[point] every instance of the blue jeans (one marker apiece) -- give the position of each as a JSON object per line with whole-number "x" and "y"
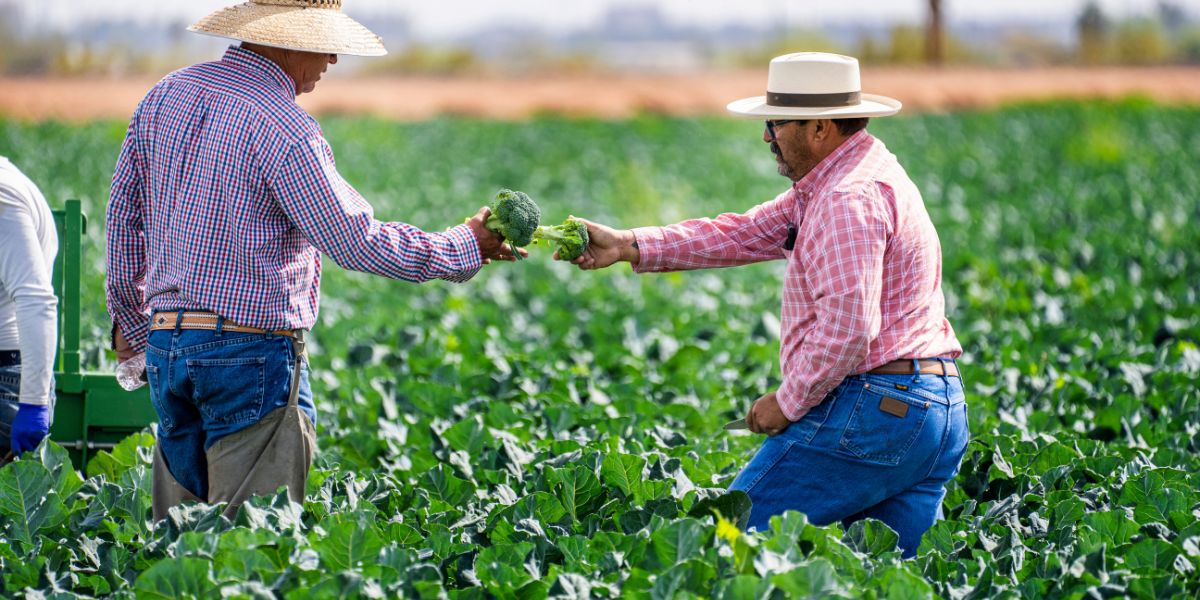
{"x": 853, "y": 456}
{"x": 10, "y": 389}
{"x": 206, "y": 385}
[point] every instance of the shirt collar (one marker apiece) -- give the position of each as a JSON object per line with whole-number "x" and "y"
{"x": 816, "y": 177}
{"x": 244, "y": 59}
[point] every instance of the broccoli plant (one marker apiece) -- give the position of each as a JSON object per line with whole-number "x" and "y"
{"x": 514, "y": 216}
{"x": 571, "y": 237}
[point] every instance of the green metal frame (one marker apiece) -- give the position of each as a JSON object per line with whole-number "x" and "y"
{"x": 92, "y": 412}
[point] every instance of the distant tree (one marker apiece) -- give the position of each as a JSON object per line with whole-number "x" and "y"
{"x": 1093, "y": 35}
{"x": 906, "y": 46}
{"x": 1188, "y": 45}
{"x": 1142, "y": 42}
{"x": 935, "y": 53}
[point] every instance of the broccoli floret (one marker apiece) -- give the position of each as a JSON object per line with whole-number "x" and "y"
{"x": 571, "y": 237}
{"x": 514, "y": 216}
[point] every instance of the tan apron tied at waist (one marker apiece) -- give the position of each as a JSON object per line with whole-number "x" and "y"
{"x": 278, "y": 450}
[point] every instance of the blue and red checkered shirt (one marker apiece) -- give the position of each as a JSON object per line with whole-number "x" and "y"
{"x": 224, "y": 197}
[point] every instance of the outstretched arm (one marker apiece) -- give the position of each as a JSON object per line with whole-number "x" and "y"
{"x": 729, "y": 240}
{"x": 341, "y": 224}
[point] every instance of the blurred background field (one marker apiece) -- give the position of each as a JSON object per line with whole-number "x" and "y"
{"x": 616, "y": 58}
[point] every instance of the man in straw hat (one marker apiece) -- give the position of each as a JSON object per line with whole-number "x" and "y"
{"x": 224, "y": 198}
{"x": 869, "y": 420}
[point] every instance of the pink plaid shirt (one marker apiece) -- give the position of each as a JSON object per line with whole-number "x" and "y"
{"x": 863, "y": 285}
{"x": 226, "y": 195}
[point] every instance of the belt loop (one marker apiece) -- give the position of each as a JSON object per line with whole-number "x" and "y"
{"x": 945, "y": 374}
{"x": 220, "y": 325}
{"x": 916, "y": 370}
{"x": 179, "y": 322}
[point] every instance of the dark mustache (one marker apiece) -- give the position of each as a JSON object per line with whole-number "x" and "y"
{"x": 776, "y": 150}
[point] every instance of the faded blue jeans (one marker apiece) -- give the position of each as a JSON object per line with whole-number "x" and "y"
{"x": 852, "y": 456}
{"x": 207, "y": 385}
{"x": 10, "y": 388}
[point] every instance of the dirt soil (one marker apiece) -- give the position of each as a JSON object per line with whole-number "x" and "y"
{"x": 414, "y": 98}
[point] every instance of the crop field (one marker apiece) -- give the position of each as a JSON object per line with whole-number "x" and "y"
{"x": 545, "y": 432}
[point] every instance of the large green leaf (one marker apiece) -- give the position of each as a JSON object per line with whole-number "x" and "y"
{"x": 176, "y": 579}
{"x": 346, "y": 543}
{"x": 734, "y": 506}
{"x": 815, "y": 579}
{"x": 137, "y": 449}
{"x": 624, "y": 472}
{"x": 679, "y": 541}
{"x": 575, "y": 487}
{"x": 871, "y": 537}
{"x": 441, "y": 481}
{"x": 58, "y": 462}
{"x": 28, "y": 500}
{"x": 1151, "y": 554}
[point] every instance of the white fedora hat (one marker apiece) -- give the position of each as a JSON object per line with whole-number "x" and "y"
{"x": 814, "y": 85}
{"x": 306, "y": 25}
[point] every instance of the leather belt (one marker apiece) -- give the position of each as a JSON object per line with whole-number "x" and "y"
{"x": 10, "y": 358}
{"x": 207, "y": 321}
{"x": 929, "y": 366}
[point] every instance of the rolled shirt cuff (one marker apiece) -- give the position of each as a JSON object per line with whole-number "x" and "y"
{"x": 650, "y": 242}
{"x": 466, "y": 250}
{"x": 790, "y": 404}
{"x": 135, "y": 327}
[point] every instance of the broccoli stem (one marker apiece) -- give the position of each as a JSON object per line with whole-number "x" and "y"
{"x": 552, "y": 233}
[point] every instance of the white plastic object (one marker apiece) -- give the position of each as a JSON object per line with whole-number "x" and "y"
{"x": 131, "y": 374}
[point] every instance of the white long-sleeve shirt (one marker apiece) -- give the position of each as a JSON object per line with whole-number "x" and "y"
{"x": 28, "y": 307}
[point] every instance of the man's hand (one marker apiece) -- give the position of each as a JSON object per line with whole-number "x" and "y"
{"x": 29, "y": 427}
{"x": 491, "y": 244}
{"x": 606, "y": 246}
{"x": 765, "y": 416}
{"x": 121, "y": 346}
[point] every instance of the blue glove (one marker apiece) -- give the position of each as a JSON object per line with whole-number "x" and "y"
{"x": 31, "y": 424}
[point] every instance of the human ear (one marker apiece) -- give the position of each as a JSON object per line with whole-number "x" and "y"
{"x": 820, "y": 129}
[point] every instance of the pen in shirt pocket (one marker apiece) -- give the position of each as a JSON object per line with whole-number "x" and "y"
{"x": 790, "y": 242}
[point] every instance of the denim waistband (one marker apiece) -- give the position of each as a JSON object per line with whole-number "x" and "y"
{"x": 10, "y": 358}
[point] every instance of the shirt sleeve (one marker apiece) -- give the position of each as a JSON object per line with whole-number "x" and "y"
{"x": 726, "y": 241}
{"x": 340, "y": 223}
{"x": 843, "y": 257}
{"x": 25, "y": 276}
{"x": 125, "y": 245}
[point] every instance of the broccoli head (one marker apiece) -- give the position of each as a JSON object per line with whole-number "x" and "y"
{"x": 514, "y": 216}
{"x": 571, "y": 237}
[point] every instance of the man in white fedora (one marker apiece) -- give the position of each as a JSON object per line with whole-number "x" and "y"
{"x": 870, "y": 419}
{"x": 224, "y": 199}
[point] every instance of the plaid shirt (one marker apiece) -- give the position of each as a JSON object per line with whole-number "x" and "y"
{"x": 863, "y": 285}
{"x": 225, "y": 196}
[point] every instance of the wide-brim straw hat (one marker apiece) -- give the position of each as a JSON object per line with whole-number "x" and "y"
{"x": 814, "y": 85}
{"x": 305, "y": 25}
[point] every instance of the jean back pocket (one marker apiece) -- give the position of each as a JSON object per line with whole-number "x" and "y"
{"x": 884, "y": 425}
{"x": 228, "y": 391}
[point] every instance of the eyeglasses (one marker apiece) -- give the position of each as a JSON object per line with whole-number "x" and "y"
{"x": 772, "y": 126}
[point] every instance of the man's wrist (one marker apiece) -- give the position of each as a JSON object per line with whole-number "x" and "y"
{"x": 630, "y": 252}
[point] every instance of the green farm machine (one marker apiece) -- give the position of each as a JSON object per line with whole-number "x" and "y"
{"x": 93, "y": 412}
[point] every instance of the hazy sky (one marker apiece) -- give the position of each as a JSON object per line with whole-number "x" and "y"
{"x": 439, "y": 18}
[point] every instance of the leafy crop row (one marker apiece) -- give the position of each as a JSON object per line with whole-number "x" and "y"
{"x": 542, "y": 432}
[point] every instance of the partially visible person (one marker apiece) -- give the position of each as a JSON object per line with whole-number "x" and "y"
{"x": 28, "y": 312}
